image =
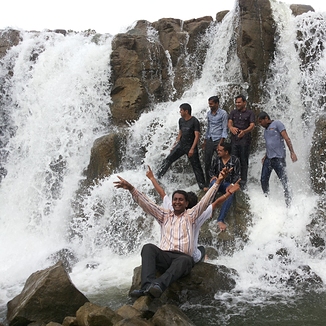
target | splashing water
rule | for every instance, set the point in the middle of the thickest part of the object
(57, 105)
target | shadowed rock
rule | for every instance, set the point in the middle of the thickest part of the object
(48, 295)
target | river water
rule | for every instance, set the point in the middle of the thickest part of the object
(56, 105)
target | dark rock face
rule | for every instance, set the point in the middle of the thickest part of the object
(105, 157)
(151, 61)
(202, 283)
(318, 157)
(300, 9)
(48, 295)
(255, 44)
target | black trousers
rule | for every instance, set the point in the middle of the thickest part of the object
(175, 154)
(242, 153)
(171, 264)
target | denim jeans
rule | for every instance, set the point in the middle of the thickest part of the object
(278, 165)
(227, 204)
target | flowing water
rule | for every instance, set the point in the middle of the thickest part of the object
(56, 105)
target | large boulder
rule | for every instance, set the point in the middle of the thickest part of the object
(255, 44)
(155, 61)
(105, 156)
(48, 295)
(201, 284)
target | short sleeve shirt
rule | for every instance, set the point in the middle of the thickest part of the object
(242, 120)
(275, 146)
(188, 128)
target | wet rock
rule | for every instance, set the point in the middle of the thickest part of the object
(300, 9)
(93, 315)
(203, 282)
(170, 315)
(48, 295)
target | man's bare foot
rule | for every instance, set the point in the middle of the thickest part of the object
(222, 226)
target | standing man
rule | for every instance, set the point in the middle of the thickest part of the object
(241, 123)
(186, 144)
(274, 159)
(217, 124)
(225, 160)
(173, 258)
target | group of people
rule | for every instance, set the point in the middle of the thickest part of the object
(180, 219)
(231, 151)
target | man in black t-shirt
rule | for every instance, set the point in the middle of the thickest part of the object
(186, 144)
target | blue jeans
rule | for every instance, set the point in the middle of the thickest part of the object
(227, 204)
(278, 165)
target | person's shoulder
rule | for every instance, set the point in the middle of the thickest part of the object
(235, 159)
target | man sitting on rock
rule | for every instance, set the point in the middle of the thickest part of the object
(173, 258)
(199, 251)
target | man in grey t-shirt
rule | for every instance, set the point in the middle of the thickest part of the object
(274, 159)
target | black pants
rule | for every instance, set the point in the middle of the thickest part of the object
(242, 153)
(172, 265)
(175, 154)
(210, 148)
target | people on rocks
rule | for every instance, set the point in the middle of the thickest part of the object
(199, 251)
(223, 160)
(216, 132)
(173, 257)
(241, 122)
(186, 144)
(275, 134)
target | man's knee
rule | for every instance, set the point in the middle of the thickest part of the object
(148, 248)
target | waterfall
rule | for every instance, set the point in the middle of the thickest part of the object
(56, 105)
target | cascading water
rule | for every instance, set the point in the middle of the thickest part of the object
(56, 106)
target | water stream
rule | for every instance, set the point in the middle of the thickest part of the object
(56, 105)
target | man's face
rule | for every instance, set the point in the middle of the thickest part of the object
(179, 203)
(221, 152)
(213, 106)
(182, 113)
(264, 122)
(240, 104)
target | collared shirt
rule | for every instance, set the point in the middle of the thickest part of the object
(217, 125)
(167, 203)
(242, 120)
(177, 231)
(218, 165)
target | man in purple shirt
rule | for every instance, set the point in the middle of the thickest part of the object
(241, 123)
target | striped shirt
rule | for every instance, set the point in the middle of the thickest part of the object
(177, 231)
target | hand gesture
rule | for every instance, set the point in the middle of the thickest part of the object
(149, 173)
(123, 184)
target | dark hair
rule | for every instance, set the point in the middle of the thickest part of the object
(186, 107)
(263, 115)
(193, 199)
(215, 99)
(242, 97)
(181, 192)
(226, 146)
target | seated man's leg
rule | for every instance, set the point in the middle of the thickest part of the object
(181, 265)
(175, 154)
(226, 205)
